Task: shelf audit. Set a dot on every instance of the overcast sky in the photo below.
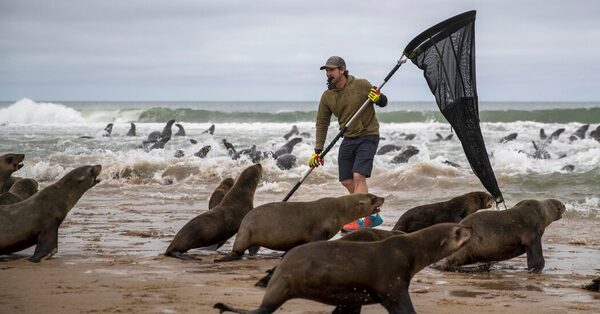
(272, 50)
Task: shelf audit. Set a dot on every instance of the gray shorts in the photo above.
(356, 155)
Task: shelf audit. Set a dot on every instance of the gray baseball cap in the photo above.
(334, 62)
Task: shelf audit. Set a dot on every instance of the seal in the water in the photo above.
(388, 148)
(508, 138)
(21, 190)
(596, 134)
(327, 271)
(161, 143)
(293, 131)
(181, 130)
(454, 210)
(288, 147)
(9, 163)
(210, 130)
(502, 235)
(580, 133)
(203, 151)
(286, 161)
(405, 155)
(266, 224)
(107, 130)
(131, 131)
(219, 193)
(222, 222)
(35, 221)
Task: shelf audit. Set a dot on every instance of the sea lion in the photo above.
(317, 220)
(440, 138)
(326, 271)
(21, 190)
(156, 135)
(286, 161)
(181, 130)
(362, 235)
(409, 137)
(293, 131)
(543, 135)
(161, 143)
(288, 147)
(554, 136)
(203, 151)
(580, 133)
(453, 210)
(508, 138)
(502, 235)
(131, 131)
(450, 163)
(388, 148)
(222, 222)
(35, 221)
(405, 155)
(210, 130)
(540, 151)
(107, 130)
(9, 163)
(596, 134)
(568, 168)
(230, 149)
(219, 193)
(179, 153)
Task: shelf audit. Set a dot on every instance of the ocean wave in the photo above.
(28, 111)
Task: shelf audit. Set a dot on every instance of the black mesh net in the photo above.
(446, 54)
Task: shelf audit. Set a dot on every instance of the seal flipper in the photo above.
(47, 243)
(233, 256)
(535, 256)
(182, 256)
(399, 304)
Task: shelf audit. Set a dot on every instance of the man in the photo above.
(344, 96)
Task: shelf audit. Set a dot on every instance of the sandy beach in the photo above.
(110, 261)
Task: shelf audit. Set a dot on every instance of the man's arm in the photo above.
(323, 121)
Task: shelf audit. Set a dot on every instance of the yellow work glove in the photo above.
(315, 160)
(374, 94)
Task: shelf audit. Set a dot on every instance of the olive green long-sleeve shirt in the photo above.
(343, 103)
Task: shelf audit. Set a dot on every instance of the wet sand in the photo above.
(109, 262)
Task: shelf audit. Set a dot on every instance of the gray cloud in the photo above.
(271, 50)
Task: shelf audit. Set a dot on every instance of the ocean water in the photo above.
(49, 134)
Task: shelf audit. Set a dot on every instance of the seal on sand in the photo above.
(9, 163)
(317, 220)
(453, 210)
(222, 222)
(325, 271)
(35, 221)
(502, 235)
(362, 235)
(21, 190)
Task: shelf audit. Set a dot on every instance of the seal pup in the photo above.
(313, 221)
(35, 221)
(325, 271)
(388, 148)
(287, 148)
(404, 156)
(9, 163)
(220, 223)
(293, 131)
(508, 138)
(131, 131)
(453, 210)
(506, 234)
(219, 193)
(180, 131)
(21, 190)
(286, 161)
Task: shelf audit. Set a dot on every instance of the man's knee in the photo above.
(358, 177)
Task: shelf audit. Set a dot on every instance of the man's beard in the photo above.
(330, 84)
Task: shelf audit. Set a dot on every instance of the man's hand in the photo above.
(316, 160)
(374, 94)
